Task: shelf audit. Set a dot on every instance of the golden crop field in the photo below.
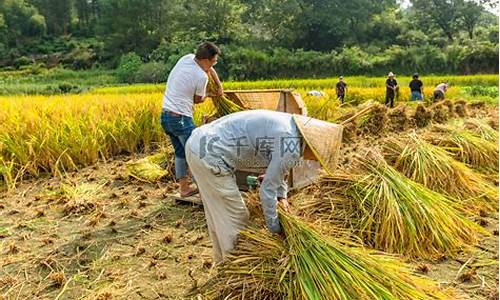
(355, 81)
(106, 224)
(42, 134)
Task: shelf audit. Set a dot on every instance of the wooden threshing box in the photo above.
(284, 100)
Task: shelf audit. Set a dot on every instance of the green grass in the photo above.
(45, 82)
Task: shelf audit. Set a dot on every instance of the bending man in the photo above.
(256, 140)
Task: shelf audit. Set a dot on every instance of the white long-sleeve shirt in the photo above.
(255, 140)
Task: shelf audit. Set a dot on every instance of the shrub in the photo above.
(66, 87)
(130, 63)
(23, 61)
(152, 72)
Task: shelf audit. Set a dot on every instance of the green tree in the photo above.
(130, 25)
(57, 14)
(315, 24)
(219, 21)
(20, 22)
(444, 14)
(470, 13)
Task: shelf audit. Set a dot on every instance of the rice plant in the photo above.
(49, 134)
(323, 83)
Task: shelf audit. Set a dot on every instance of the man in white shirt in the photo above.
(187, 85)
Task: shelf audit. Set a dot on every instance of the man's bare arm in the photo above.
(212, 73)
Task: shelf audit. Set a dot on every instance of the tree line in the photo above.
(368, 35)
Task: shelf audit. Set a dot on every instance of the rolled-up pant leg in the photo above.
(225, 210)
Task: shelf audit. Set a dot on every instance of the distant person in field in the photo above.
(417, 88)
(187, 85)
(391, 87)
(440, 91)
(341, 89)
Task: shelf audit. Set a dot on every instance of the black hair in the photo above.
(207, 50)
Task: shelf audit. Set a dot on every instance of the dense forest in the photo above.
(259, 38)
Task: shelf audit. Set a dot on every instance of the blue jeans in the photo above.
(416, 95)
(178, 128)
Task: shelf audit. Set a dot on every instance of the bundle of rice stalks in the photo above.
(482, 128)
(321, 204)
(398, 118)
(439, 113)
(362, 115)
(493, 120)
(460, 108)
(256, 269)
(375, 121)
(77, 198)
(436, 169)
(223, 104)
(349, 132)
(392, 213)
(151, 168)
(308, 265)
(466, 147)
(422, 116)
(451, 108)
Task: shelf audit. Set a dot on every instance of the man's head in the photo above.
(207, 54)
(390, 75)
(415, 76)
(341, 78)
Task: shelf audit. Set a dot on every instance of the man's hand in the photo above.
(219, 92)
(283, 203)
(260, 178)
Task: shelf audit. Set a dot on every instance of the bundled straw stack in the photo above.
(481, 128)
(223, 104)
(466, 147)
(308, 265)
(390, 212)
(436, 169)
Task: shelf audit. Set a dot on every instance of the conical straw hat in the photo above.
(324, 139)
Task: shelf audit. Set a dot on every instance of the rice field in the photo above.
(86, 209)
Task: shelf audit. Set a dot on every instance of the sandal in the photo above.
(190, 193)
